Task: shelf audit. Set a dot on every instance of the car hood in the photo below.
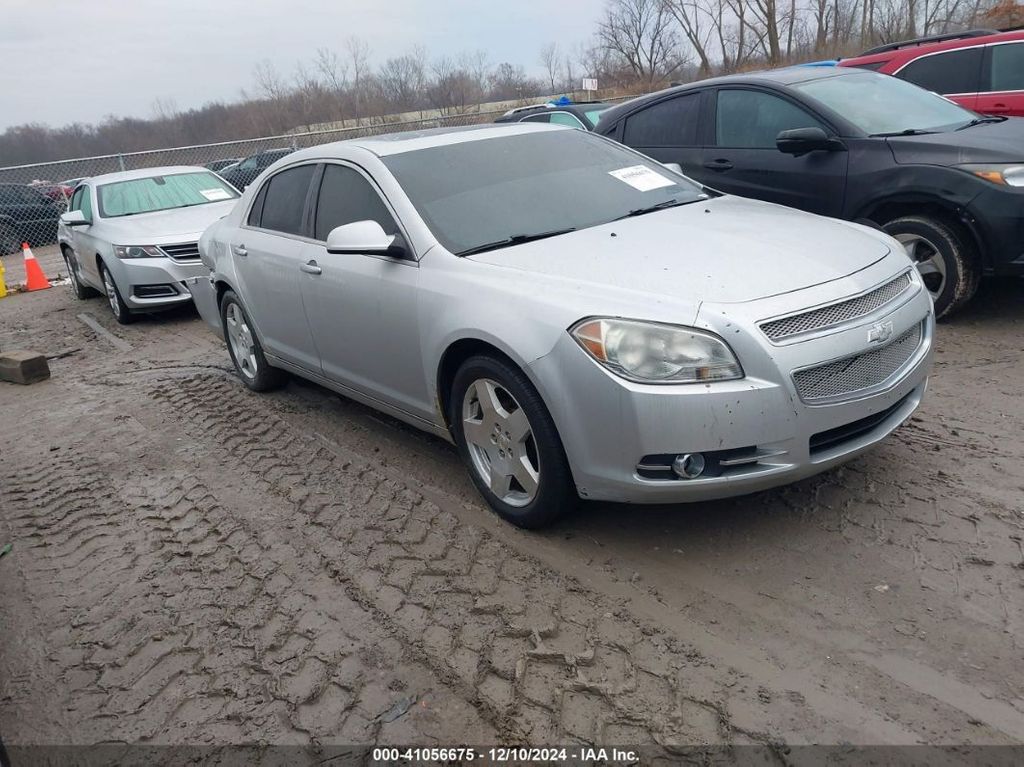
(165, 226)
(724, 250)
(988, 142)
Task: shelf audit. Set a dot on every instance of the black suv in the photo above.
(578, 114)
(946, 182)
(243, 174)
(26, 215)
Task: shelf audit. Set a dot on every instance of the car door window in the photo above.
(543, 117)
(951, 72)
(285, 200)
(76, 199)
(672, 122)
(564, 118)
(1007, 67)
(345, 197)
(753, 119)
(86, 203)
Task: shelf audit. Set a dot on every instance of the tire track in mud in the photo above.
(545, 656)
(169, 618)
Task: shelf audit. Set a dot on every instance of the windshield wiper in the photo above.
(904, 132)
(658, 206)
(515, 239)
(983, 119)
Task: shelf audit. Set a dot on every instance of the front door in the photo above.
(1003, 85)
(745, 161)
(363, 308)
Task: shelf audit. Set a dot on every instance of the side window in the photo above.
(672, 122)
(564, 118)
(257, 206)
(1007, 67)
(542, 117)
(248, 163)
(285, 199)
(753, 119)
(76, 199)
(86, 202)
(345, 196)
(952, 72)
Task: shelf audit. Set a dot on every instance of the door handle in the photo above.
(311, 267)
(718, 165)
(239, 250)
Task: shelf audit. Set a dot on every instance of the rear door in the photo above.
(1002, 91)
(955, 74)
(669, 130)
(267, 255)
(743, 159)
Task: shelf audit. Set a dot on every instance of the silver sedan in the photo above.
(578, 319)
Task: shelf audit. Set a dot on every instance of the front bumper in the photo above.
(150, 284)
(998, 216)
(610, 426)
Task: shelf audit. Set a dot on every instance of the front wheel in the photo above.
(245, 348)
(509, 442)
(80, 289)
(121, 312)
(945, 259)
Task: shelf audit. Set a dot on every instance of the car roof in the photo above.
(783, 76)
(908, 50)
(410, 141)
(129, 175)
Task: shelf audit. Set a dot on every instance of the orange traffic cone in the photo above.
(34, 277)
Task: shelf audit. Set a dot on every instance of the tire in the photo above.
(245, 348)
(80, 290)
(121, 312)
(538, 455)
(947, 259)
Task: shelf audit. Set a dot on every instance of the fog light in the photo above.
(689, 465)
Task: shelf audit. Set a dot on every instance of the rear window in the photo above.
(155, 193)
(951, 72)
(672, 122)
(1007, 67)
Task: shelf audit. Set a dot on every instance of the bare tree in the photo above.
(551, 60)
(693, 17)
(641, 34)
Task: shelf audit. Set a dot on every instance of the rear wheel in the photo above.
(245, 348)
(944, 256)
(121, 312)
(509, 443)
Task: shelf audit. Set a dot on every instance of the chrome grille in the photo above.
(185, 251)
(827, 316)
(850, 375)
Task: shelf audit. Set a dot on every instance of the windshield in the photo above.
(880, 104)
(474, 193)
(148, 195)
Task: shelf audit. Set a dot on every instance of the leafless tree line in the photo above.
(637, 45)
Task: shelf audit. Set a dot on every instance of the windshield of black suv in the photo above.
(490, 192)
(153, 193)
(880, 104)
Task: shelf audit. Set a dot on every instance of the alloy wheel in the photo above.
(929, 261)
(115, 302)
(240, 336)
(501, 442)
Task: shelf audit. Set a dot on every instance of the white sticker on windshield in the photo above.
(641, 177)
(215, 194)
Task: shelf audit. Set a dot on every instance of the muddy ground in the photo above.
(193, 563)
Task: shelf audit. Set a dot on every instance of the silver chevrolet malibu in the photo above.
(578, 319)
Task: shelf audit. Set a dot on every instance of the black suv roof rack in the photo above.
(930, 39)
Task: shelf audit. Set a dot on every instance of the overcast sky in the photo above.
(70, 61)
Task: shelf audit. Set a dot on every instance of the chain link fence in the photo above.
(32, 197)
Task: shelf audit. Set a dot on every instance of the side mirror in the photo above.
(800, 141)
(674, 166)
(74, 218)
(365, 237)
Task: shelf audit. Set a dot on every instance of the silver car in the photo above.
(578, 319)
(134, 236)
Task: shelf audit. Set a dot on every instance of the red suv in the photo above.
(982, 69)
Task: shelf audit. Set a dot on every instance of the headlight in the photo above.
(650, 352)
(137, 251)
(1004, 175)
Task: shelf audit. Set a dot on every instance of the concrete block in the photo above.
(23, 367)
